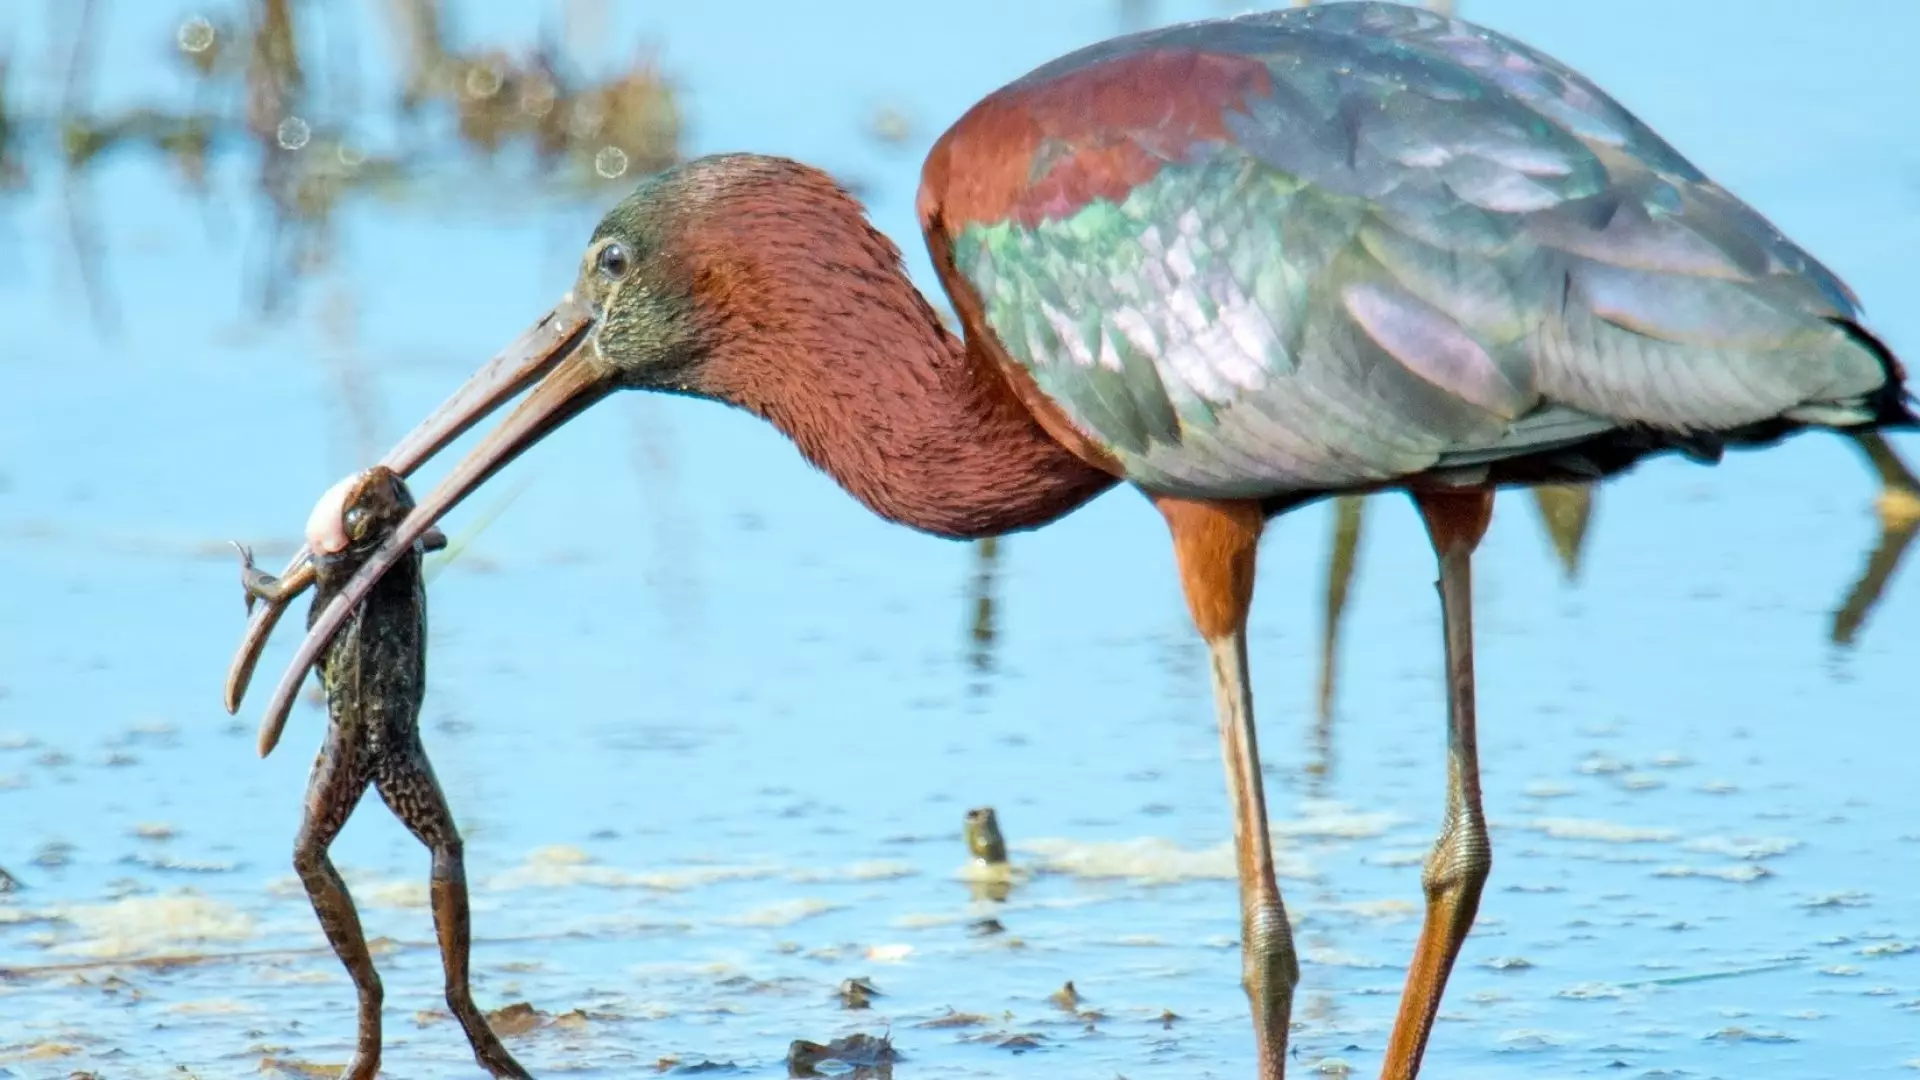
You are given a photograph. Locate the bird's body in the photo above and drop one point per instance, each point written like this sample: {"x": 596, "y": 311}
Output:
{"x": 1351, "y": 245}
{"x": 1238, "y": 264}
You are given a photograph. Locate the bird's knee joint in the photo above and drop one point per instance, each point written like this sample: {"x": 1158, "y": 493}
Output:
{"x": 1268, "y": 949}
{"x": 1267, "y": 930}
{"x": 1459, "y": 860}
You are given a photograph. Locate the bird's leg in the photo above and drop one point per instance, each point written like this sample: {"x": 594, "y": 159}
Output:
{"x": 1215, "y": 543}
{"x": 406, "y": 782}
{"x": 332, "y": 793}
{"x": 1457, "y": 868}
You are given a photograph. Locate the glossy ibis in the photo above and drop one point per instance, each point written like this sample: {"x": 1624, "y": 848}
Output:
{"x": 1239, "y": 264}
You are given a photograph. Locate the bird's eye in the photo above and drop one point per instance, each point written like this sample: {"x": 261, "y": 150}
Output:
{"x": 614, "y": 262}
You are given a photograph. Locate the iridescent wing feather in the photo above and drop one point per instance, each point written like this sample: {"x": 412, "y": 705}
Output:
{"x": 1343, "y": 245}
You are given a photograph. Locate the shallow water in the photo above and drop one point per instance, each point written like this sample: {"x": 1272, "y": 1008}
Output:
{"x": 711, "y": 730}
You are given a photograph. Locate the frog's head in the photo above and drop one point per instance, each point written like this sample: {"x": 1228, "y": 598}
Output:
{"x": 359, "y": 511}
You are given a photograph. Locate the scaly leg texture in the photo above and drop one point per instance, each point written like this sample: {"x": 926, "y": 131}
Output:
{"x": 1457, "y": 869}
{"x": 332, "y": 793}
{"x": 406, "y": 781}
{"x": 1215, "y": 543}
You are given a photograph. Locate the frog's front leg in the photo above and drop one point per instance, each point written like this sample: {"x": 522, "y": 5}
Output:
{"x": 259, "y": 584}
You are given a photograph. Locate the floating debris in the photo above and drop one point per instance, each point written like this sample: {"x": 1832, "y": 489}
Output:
{"x": 1603, "y": 765}
{"x": 292, "y": 1067}
{"x": 871, "y": 870}
{"x": 564, "y": 865}
{"x": 1745, "y": 874}
{"x": 781, "y": 913}
{"x": 516, "y": 1019}
{"x": 1758, "y": 1035}
{"x": 8, "y": 883}
{"x": 1066, "y": 997}
{"x": 52, "y": 854}
{"x": 1153, "y": 860}
{"x": 954, "y": 1019}
{"x": 1602, "y": 831}
{"x": 1019, "y": 1042}
{"x": 178, "y": 925}
{"x": 857, "y": 993}
{"x": 167, "y": 863}
{"x": 890, "y": 125}
{"x": 1591, "y": 991}
{"x": 861, "y": 1051}
{"x": 1743, "y": 847}
{"x": 1848, "y": 899}
{"x": 1547, "y": 789}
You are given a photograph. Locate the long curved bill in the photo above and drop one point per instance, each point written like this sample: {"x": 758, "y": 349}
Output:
{"x": 566, "y": 378}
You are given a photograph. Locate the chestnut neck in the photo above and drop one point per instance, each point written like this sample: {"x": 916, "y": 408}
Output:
{"x": 809, "y": 321}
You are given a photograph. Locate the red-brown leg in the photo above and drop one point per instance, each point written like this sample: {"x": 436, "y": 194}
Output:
{"x": 1215, "y": 544}
{"x": 1457, "y": 869}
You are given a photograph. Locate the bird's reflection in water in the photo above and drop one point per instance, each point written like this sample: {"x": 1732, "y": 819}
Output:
{"x": 1898, "y": 508}
{"x": 1566, "y": 511}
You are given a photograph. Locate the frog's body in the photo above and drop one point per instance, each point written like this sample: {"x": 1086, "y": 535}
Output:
{"x": 374, "y": 674}
{"x": 984, "y": 841}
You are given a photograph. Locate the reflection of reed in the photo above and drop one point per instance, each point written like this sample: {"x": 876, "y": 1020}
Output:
{"x": 1566, "y": 511}
{"x": 1346, "y": 546}
{"x": 982, "y": 636}
{"x": 253, "y": 89}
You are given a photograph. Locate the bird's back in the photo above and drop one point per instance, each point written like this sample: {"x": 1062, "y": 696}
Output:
{"x": 1346, "y": 245}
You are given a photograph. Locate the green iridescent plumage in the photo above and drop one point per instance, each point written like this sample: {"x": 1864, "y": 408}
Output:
{"x": 1424, "y": 246}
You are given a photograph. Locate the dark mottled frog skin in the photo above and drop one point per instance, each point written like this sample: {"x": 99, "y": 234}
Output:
{"x": 374, "y": 674}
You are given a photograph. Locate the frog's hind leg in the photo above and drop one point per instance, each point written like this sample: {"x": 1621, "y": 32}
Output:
{"x": 332, "y": 793}
{"x": 405, "y": 779}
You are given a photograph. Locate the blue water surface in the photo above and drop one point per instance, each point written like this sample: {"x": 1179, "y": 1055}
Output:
{"x": 710, "y": 728}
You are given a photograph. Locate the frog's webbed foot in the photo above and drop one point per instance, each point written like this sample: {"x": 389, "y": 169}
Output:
{"x": 258, "y": 584}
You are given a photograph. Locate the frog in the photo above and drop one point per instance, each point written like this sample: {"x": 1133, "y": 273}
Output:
{"x": 374, "y": 675}
{"x": 987, "y": 873}
{"x": 984, "y": 841}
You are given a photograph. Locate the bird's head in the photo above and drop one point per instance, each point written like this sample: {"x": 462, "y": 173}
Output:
{"x": 694, "y": 258}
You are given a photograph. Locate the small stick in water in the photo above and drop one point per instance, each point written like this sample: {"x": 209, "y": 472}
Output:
{"x": 374, "y": 673}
